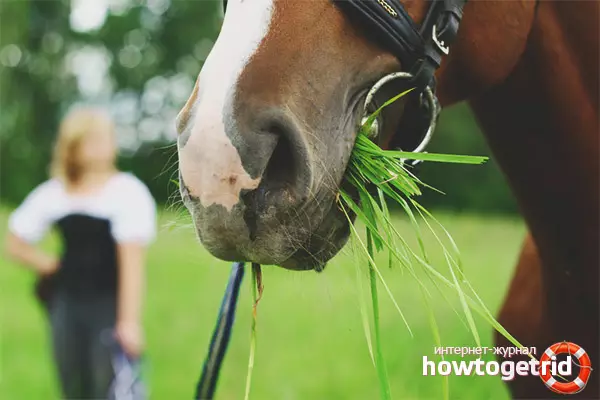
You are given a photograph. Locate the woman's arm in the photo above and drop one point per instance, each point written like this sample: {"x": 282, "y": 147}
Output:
{"x": 30, "y": 256}
{"x": 134, "y": 228}
{"x": 131, "y": 290}
{"x": 28, "y": 224}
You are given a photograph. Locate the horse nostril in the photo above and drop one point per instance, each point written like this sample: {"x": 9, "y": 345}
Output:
{"x": 281, "y": 169}
{"x": 285, "y": 180}
{"x": 287, "y": 175}
{"x": 288, "y": 170}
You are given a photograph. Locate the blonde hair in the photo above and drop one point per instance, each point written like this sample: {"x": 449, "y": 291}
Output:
{"x": 73, "y": 129}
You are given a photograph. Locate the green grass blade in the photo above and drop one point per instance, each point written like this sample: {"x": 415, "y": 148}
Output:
{"x": 385, "y": 285}
{"x": 254, "y": 283}
{"x": 438, "y": 341}
{"x": 379, "y": 361}
{"x": 386, "y": 226}
{"x": 362, "y": 303}
{"x": 461, "y": 295}
{"x": 369, "y": 122}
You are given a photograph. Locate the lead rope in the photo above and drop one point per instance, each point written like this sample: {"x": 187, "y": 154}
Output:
{"x": 205, "y": 388}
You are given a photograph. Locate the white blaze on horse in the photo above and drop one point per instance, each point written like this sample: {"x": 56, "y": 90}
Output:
{"x": 266, "y": 135}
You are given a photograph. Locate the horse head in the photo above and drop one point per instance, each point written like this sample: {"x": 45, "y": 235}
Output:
{"x": 266, "y": 135}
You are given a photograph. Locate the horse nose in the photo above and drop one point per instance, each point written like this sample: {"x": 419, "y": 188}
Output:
{"x": 286, "y": 176}
{"x": 260, "y": 158}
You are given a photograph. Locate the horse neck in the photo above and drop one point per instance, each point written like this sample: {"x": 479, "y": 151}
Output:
{"x": 541, "y": 124}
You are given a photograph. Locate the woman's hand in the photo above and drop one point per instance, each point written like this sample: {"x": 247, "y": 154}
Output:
{"x": 131, "y": 337}
{"x": 129, "y": 298}
{"x": 30, "y": 256}
{"x": 48, "y": 266}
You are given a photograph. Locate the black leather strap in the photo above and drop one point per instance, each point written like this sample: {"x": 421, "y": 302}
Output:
{"x": 419, "y": 49}
{"x": 446, "y": 19}
{"x": 388, "y": 20}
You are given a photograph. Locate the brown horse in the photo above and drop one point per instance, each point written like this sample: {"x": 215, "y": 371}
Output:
{"x": 266, "y": 135}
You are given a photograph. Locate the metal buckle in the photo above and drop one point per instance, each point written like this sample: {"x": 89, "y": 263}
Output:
{"x": 439, "y": 43}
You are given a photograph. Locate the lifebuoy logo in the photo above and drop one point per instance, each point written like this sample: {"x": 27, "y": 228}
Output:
{"x": 556, "y": 374}
{"x": 572, "y": 350}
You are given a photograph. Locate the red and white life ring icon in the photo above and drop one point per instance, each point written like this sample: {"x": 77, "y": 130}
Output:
{"x": 583, "y": 361}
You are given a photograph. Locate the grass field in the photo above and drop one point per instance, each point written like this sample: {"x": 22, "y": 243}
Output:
{"x": 311, "y": 343}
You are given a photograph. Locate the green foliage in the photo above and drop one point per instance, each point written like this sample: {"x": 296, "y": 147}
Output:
{"x": 31, "y": 91}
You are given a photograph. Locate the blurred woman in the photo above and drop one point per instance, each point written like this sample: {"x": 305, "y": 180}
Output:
{"x": 106, "y": 219}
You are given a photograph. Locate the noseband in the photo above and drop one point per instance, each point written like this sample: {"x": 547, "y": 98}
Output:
{"x": 419, "y": 49}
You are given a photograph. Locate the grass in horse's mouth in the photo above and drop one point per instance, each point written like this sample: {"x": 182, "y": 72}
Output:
{"x": 383, "y": 172}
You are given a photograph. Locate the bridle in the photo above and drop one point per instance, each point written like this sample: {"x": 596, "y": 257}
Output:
{"x": 419, "y": 49}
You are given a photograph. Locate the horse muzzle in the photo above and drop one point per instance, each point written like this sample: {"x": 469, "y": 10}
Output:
{"x": 242, "y": 183}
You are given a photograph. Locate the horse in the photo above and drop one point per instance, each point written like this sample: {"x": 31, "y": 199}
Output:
{"x": 265, "y": 137}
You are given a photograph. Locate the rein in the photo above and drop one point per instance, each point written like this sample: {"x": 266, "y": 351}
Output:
{"x": 207, "y": 383}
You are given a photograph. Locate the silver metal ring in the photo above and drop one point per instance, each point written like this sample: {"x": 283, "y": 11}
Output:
{"x": 429, "y": 96}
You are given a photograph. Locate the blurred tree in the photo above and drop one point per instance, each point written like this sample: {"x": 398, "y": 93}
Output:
{"x": 31, "y": 89}
{"x": 153, "y": 49}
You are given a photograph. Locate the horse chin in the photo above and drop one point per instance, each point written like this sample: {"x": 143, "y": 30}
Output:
{"x": 302, "y": 243}
{"x": 323, "y": 244}
{"x": 307, "y": 259}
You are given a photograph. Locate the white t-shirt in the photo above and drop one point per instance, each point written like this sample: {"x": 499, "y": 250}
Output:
{"x": 124, "y": 201}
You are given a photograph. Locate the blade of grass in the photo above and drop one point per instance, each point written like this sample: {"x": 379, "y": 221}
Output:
{"x": 257, "y": 289}
{"x": 404, "y": 246}
{"x": 461, "y": 295}
{"x": 361, "y": 301}
{"x": 438, "y": 341}
{"x": 388, "y": 231}
{"x": 384, "y": 384}
{"x": 369, "y": 122}
{"x": 387, "y": 289}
